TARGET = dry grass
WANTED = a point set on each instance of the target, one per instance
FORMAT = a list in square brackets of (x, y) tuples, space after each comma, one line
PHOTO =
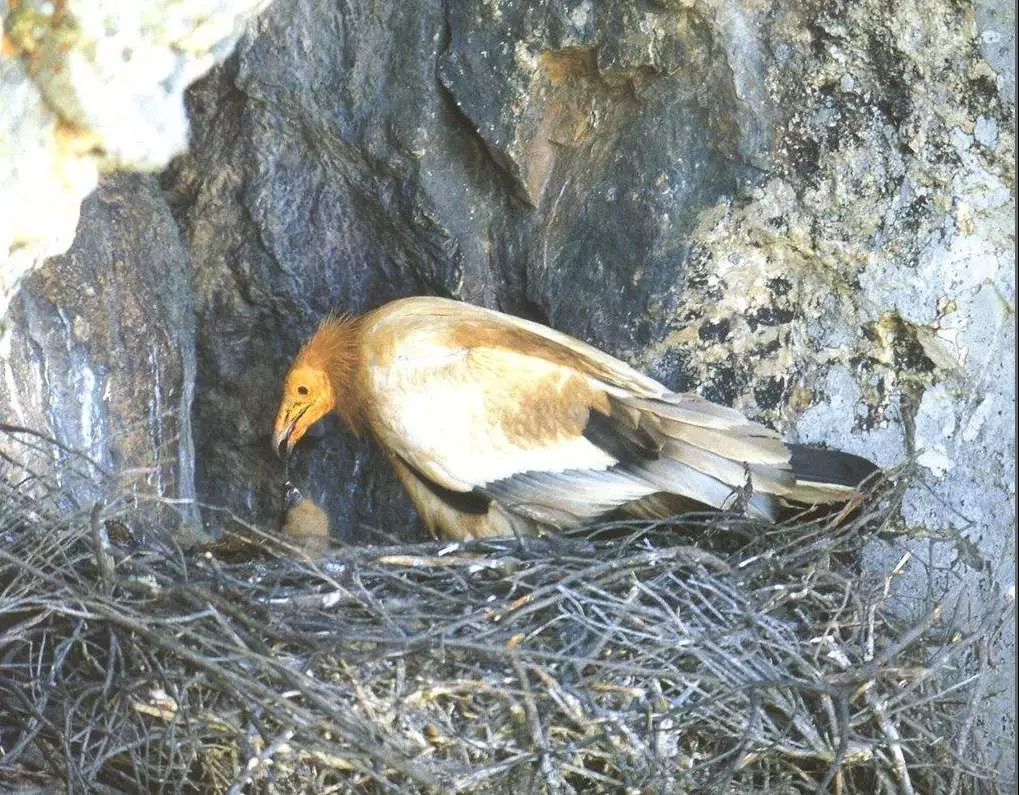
[(625, 661)]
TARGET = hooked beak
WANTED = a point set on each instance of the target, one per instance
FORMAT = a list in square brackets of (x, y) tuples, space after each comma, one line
[(284, 435)]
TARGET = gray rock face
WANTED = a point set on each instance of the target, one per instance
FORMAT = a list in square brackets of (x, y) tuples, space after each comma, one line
[(101, 360), (618, 127), (801, 209)]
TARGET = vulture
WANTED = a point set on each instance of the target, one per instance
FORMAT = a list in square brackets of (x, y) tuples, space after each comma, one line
[(497, 426), (305, 523)]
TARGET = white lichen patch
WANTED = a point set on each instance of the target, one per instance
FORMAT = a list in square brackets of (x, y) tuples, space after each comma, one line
[(88, 86)]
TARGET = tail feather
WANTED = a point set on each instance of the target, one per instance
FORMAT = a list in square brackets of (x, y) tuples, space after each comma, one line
[(660, 460), (702, 452), (821, 467), (738, 446), (673, 476), (731, 470)]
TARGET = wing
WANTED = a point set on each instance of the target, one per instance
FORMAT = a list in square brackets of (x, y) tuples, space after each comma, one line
[(479, 403), (467, 417), (453, 324)]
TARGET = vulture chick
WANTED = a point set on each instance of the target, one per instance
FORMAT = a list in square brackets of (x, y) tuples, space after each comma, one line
[(305, 523), (496, 425)]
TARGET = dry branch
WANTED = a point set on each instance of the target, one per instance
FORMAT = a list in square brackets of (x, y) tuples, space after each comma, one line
[(625, 660)]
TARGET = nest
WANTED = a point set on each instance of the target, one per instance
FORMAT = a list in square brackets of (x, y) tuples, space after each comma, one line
[(624, 660)]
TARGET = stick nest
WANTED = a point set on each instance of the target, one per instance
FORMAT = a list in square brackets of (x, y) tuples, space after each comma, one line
[(708, 654)]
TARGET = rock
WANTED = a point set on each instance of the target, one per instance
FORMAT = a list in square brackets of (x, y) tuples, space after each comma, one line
[(90, 86), (101, 361), (45, 172), (618, 126)]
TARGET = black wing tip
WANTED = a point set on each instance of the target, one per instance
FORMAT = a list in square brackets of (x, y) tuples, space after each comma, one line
[(820, 465), (626, 444)]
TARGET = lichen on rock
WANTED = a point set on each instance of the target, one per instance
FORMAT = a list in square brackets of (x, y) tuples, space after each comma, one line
[(89, 86)]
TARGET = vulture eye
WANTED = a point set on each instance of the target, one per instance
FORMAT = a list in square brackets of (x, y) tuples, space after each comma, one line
[(302, 390)]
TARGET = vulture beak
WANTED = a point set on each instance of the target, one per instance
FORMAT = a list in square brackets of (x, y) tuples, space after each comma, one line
[(287, 432), (307, 397)]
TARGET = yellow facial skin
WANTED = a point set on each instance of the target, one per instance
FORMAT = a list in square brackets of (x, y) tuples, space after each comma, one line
[(307, 398)]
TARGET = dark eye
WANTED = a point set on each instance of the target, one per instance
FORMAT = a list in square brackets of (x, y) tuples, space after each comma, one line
[(302, 390)]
